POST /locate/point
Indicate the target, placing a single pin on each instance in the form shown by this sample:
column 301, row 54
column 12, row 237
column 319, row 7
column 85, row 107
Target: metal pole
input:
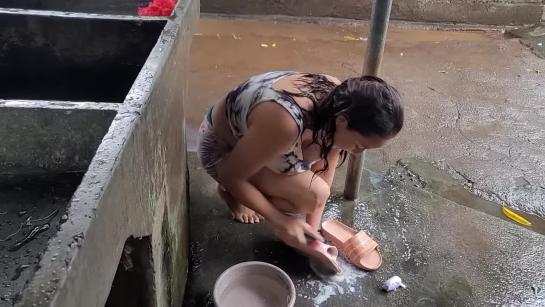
column 371, row 66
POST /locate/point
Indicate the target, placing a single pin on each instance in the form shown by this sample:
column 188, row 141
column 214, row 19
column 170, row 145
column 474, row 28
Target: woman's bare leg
column 302, row 193
column 246, row 215
column 240, row 212
column 315, row 218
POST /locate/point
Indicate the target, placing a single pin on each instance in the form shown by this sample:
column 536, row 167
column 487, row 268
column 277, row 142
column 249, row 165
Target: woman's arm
column 332, row 159
column 311, row 152
column 271, row 131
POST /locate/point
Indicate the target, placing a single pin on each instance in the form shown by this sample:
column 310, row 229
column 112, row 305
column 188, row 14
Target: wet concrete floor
column 432, row 198
column 32, row 209
column 475, row 100
column 531, row 36
column 448, row 254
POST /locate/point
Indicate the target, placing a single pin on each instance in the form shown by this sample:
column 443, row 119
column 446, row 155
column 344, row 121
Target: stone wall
column 493, row 12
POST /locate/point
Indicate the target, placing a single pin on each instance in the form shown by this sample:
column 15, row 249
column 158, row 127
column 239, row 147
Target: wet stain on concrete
column 532, row 37
column 473, row 98
column 32, row 210
column 430, row 177
column 447, row 253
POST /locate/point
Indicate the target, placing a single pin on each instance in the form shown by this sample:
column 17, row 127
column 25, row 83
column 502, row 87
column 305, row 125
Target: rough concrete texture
column 53, row 138
column 503, row 12
column 45, row 150
column 33, row 207
column 133, row 188
column 474, row 100
column 474, row 116
column 432, row 178
column 447, row 254
column 119, row 7
column 531, row 36
column 57, row 57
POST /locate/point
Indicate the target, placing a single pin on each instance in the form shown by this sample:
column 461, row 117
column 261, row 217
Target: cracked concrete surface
column 473, row 138
column 474, row 100
column 426, row 236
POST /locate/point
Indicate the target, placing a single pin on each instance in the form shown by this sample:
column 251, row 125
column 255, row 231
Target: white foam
column 332, row 211
column 349, row 281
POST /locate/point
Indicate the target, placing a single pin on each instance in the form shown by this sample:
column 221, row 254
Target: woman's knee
column 316, row 196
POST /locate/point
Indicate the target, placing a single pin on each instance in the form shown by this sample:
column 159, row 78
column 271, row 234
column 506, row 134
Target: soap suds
column 349, row 282
column 332, row 211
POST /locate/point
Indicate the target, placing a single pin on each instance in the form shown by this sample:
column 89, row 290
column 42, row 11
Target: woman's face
column 353, row 141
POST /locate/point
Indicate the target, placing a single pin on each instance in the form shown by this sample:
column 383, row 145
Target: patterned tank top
column 240, row 102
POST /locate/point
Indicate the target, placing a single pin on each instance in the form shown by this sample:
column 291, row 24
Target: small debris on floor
column 354, row 38
column 536, row 290
column 392, row 284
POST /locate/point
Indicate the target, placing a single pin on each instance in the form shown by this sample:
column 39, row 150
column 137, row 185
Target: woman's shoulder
column 271, row 115
column 293, row 73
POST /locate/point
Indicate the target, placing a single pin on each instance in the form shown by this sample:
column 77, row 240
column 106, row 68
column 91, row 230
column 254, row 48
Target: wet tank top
column 257, row 89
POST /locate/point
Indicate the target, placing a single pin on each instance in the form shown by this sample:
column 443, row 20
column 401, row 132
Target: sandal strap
column 359, row 246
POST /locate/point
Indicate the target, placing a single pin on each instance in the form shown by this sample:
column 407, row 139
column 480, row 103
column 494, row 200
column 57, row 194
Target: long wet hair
column 369, row 104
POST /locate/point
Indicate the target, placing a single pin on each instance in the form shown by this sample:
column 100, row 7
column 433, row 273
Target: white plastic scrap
column 393, row 283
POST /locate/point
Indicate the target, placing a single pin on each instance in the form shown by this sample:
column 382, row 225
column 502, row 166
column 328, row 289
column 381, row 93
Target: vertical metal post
column 371, row 66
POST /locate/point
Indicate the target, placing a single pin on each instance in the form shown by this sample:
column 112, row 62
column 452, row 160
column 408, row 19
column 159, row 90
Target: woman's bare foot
column 240, row 212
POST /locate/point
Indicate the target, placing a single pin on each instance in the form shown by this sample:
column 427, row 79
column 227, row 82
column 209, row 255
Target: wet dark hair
column 370, row 105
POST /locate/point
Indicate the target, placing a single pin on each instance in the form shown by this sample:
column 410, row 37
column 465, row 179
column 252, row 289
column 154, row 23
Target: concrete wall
column 74, row 59
column 48, row 137
column 135, row 184
column 495, row 12
column 122, row 7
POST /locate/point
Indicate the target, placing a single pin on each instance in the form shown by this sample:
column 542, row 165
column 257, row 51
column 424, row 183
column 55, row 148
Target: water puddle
column 430, row 178
column 532, row 37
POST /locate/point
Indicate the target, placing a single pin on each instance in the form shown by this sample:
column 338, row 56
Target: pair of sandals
column 356, row 246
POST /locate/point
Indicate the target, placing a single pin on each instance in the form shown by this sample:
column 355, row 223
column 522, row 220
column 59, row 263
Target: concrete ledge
column 478, row 12
column 135, row 183
column 125, row 7
column 41, row 138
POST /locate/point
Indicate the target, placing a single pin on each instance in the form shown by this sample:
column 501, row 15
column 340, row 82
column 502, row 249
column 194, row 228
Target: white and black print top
column 240, row 102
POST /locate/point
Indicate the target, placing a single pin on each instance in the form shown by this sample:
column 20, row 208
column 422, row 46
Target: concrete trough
column 116, row 7
column 56, row 57
column 46, row 137
column 92, row 145
column 46, row 148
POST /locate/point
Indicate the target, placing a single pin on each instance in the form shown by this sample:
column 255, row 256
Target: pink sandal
column 321, row 253
column 357, row 246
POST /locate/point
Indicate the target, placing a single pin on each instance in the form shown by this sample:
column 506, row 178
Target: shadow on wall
column 133, row 282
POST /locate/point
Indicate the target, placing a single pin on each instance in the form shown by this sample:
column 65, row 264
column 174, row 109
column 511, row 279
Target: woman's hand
column 292, row 231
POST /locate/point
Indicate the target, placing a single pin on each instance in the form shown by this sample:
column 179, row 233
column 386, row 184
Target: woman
column 273, row 143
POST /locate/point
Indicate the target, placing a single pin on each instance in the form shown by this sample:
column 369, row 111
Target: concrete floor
column 532, row 36
column 427, row 240
column 32, row 211
column 473, row 139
